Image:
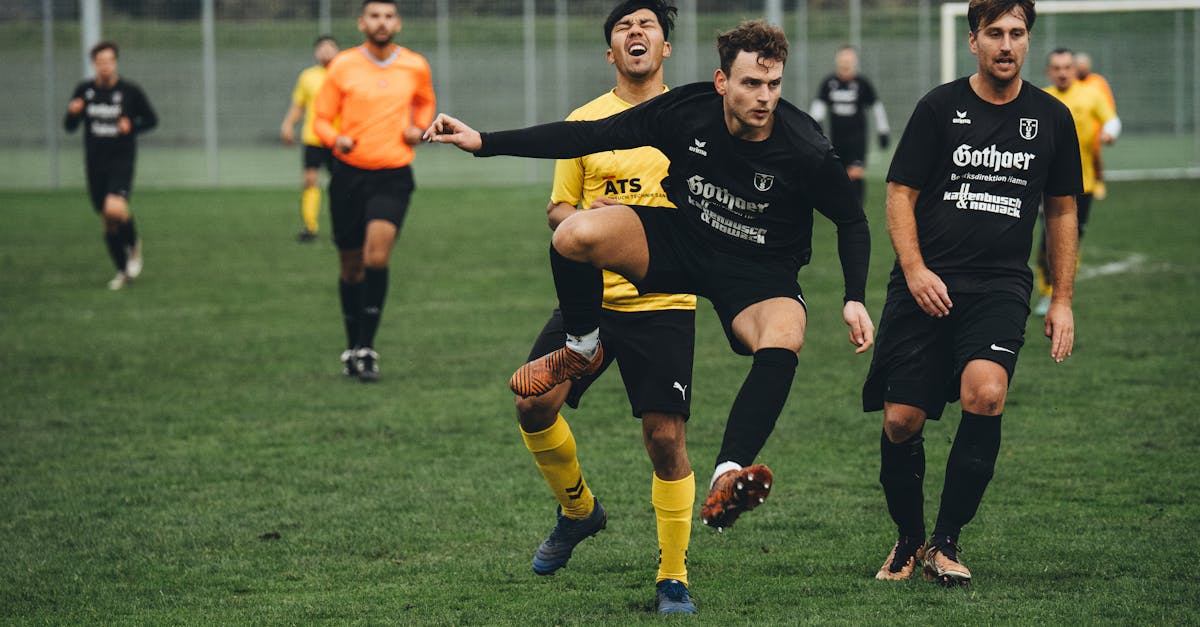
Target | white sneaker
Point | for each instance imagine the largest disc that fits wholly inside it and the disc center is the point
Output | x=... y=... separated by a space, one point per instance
x=119 y=281
x=133 y=262
x=1043 y=306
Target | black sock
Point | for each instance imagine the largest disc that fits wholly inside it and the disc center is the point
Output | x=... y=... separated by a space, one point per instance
x=352 y=305
x=128 y=232
x=116 y=249
x=968 y=471
x=902 y=475
x=580 y=287
x=860 y=189
x=373 y=296
x=758 y=405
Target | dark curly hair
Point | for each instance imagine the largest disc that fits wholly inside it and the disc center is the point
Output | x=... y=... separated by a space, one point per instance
x=663 y=11
x=765 y=40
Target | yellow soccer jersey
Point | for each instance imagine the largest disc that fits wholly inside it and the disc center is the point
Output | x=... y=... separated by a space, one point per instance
x=304 y=94
x=631 y=176
x=1090 y=109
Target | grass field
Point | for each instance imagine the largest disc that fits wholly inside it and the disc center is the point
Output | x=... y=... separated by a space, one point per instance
x=186 y=451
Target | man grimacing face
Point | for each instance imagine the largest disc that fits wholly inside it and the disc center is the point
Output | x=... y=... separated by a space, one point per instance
x=638 y=45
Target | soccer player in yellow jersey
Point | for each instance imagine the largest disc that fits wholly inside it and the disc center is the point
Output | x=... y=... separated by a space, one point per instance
x=316 y=154
x=381 y=97
x=1095 y=123
x=1083 y=71
x=650 y=336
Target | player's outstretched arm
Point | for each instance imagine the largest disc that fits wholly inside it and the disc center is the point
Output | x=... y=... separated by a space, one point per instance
x=926 y=287
x=862 y=330
x=447 y=130
x=1062 y=245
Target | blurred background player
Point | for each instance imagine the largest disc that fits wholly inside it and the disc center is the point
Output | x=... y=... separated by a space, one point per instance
x=315 y=154
x=845 y=96
x=1095 y=123
x=1083 y=71
x=651 y=337
x=381 y=97
x=114 y=112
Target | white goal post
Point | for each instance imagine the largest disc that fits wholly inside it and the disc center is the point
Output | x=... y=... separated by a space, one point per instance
x=949 y=51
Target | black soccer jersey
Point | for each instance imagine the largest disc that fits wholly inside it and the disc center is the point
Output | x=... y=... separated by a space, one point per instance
x=749 y=198
x=103 y=106
x=847 y=102
x=982 y=170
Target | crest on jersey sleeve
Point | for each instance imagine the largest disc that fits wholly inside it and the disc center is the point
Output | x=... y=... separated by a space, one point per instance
x=1029 y=128
x=763 y=182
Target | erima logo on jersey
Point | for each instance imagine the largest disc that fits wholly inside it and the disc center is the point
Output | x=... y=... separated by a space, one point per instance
x=698 y=147
x=990 y=157
x=960 y=117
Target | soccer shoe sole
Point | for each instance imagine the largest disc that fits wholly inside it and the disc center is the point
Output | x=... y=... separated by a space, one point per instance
x=735 y=492
x=544 y=373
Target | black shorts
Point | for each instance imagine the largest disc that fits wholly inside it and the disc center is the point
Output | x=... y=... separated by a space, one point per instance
x=357 y=196
x=852 y=151
x=105 y=177
x=653 y=349
x=681 y=264
x=919 y=359
x=317 y=157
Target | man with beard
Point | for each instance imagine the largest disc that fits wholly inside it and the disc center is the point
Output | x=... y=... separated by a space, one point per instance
x=381 y=96
x=977 y=157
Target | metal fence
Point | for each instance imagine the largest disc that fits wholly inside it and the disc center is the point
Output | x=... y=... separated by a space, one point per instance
x=220 y=73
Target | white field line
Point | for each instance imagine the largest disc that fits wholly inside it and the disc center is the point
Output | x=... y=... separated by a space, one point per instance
x=1128 y=264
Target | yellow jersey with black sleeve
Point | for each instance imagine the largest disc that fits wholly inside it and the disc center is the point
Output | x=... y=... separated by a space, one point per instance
x=633 y=177
x=304 y=95
x=1090 y=110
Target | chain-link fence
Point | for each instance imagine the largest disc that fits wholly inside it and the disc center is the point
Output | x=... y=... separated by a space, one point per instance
x=220 y=73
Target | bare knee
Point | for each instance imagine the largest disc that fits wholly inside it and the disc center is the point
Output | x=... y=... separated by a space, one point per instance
x=902 y=422
x=535 y=413
x=575 y=237
x=310 y=178
x=350 y=264
x=985 y=398
x=665 y=436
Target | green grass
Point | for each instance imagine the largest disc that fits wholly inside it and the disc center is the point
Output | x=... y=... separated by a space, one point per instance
x=186 y=451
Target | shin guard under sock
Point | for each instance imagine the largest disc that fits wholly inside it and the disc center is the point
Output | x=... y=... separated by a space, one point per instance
x=580 y=288
x=758 y=405
x=968 y=470
x=553 y=450
x=902 y=475
x=352 y=304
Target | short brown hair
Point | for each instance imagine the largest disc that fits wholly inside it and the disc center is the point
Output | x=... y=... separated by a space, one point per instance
x=765 y=40
x=984 y=12
x=105 y=45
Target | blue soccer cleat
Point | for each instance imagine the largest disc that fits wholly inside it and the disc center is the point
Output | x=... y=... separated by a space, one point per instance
x=568 y=533
x=672 y=597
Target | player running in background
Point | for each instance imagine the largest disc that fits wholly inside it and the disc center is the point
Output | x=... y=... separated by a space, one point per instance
x=651 y=337
x=1095 y=123
x=113 y=112
x=747 y=169
x=381 y=97
x=977 y=157
x=1083 y=71
x=846 y=96
x=315 y=154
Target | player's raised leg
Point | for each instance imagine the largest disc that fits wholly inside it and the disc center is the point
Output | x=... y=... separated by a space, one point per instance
x=604 y=238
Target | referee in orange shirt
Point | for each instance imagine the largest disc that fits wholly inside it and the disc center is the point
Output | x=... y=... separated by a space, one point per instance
x=382 y=96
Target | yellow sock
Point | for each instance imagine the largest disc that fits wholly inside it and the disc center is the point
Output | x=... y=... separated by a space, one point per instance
x=310 y=207
x=554 y=451
x=673 y=502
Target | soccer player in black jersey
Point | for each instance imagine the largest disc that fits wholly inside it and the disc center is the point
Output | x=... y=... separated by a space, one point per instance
x=845 y=96
x=114 y=112
x=747 y=169
x=976 y=159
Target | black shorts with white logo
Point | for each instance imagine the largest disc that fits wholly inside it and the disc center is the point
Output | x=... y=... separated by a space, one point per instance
x=919 y=359
x=653 y=349
x=108 y=177
x=357 y=196
x=682 y=264
x=317 y=157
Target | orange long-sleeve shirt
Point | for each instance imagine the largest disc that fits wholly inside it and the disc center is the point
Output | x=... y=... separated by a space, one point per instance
x=375 y=102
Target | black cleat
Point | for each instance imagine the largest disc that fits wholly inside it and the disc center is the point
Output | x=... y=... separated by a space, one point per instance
x=366 y=361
